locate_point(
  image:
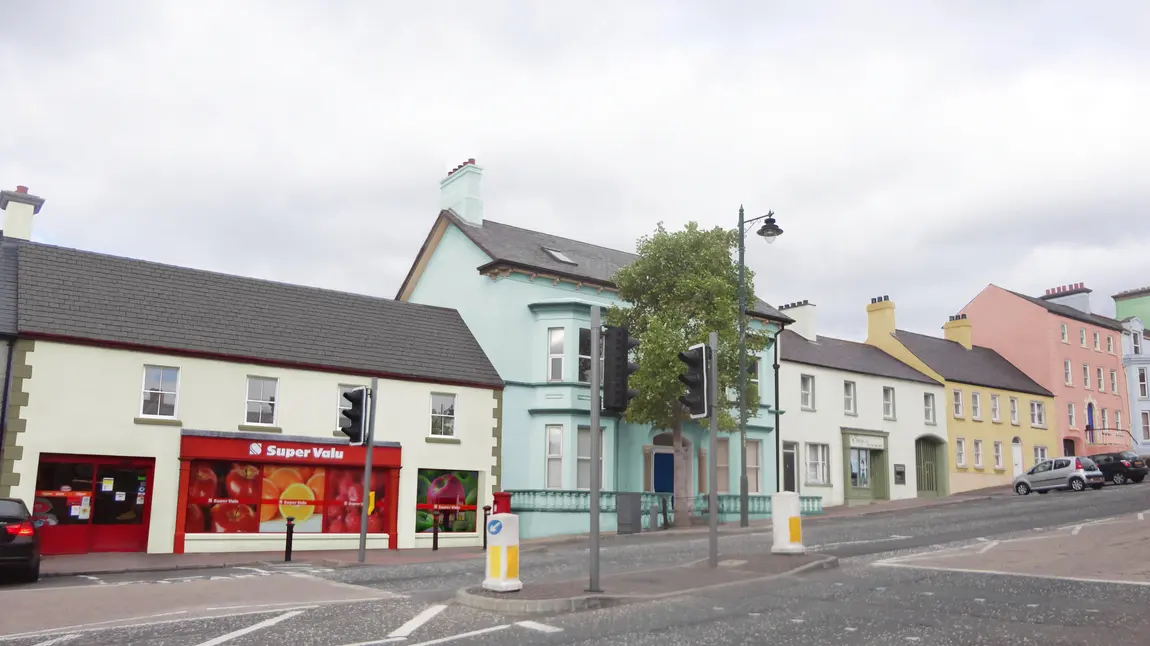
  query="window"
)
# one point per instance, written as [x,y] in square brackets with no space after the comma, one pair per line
[1146,426]
[753,470]
[554,456]
[559,255]
[723,465]
[1114,381]
[1082,337]
[1070,415]
[1143,388]
[1101,380]
[995,409]
[1039,453]
[849,405]
[443,414]
[1014,411]
[957,403]
[976,406]
[160,387]
[888,411]
[1110,344]
[1136,337]
[753,375]
[1097,343]
[1104,424]
[585,356]
[928,407]
[555,354]
[583,477]
[978,454]
[807,386]
[998,455]
[1065,334]
[860,468]
[1085,376]
[1067,371]
[1037,413]
[261,403]
[819,464]
[1118,419]
[960,452]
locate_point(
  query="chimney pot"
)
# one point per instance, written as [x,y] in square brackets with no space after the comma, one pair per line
[470,160]
[22,189]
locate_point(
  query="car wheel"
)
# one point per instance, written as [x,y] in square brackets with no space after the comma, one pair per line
[1022,489]
[1077,484]
[31,574]
[1118,478]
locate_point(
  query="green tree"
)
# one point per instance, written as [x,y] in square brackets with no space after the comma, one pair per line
[683,286]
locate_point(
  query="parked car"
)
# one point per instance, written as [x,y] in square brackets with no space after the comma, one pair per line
[19,540]
[1069,472]
[1121,467]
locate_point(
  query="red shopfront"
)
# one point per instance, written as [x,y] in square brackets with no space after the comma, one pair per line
[93,503]
[249,483]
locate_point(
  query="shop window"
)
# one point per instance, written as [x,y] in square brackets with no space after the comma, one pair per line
[860,468]
[261,402]
[64,492]
[234,497]
[454,494]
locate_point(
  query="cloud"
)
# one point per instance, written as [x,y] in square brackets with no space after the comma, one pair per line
[917,149]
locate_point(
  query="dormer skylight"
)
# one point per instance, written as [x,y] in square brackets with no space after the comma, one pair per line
[559,255]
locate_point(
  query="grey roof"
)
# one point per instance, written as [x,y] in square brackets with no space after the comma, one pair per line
[72,294]
[1071,313]
[848,356]
[7,290]
[979,366]
[507,244]
[1132,293]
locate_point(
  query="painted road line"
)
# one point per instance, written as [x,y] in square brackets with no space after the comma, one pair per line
[989,546]
[82,627]
[295,605]
[474,633]
[415,622]
[267,623]
[1077,528]
[114,624]
[1021,574]
[58,640]
[535,625]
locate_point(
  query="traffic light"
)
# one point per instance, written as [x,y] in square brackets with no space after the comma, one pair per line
[696,357]
[617,368]
[351,420]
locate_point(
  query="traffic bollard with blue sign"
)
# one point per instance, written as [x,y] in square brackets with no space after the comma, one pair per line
[503,553]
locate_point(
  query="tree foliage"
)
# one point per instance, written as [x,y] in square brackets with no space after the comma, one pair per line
[683,286]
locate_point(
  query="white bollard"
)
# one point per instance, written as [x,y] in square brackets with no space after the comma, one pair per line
[502,553]
[787,523]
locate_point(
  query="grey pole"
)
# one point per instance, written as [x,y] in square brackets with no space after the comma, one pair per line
[596,379]
[744,489]
[713,458]
[370,444]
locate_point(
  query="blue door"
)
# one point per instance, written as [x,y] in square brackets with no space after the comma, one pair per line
[664,473]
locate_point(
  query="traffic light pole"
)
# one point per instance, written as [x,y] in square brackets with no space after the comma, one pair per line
[713,458]
[369,442]
[596,379]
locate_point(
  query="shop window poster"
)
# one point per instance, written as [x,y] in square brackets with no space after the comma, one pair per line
[453,494]
[236,497]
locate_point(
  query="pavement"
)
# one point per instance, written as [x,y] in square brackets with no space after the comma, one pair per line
[901,580]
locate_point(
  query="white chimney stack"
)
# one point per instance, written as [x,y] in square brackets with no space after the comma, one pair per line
[19,206]
[806,318]
[459,191]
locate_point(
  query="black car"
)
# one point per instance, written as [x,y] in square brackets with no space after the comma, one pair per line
[1121,467]
[19,541]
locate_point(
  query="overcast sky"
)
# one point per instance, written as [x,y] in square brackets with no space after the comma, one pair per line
[917,149]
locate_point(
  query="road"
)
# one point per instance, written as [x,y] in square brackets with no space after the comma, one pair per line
[939,575]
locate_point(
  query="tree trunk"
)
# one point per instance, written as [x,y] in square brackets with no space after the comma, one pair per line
[683,498]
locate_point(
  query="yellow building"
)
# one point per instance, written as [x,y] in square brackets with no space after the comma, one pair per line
[999,421]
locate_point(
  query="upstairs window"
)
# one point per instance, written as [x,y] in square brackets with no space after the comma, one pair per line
[585,356]
[1065,334]
[807,388]
[160,391]
[261,402]
[559,255]
[1110,344]
[1014,411]
[888,411]
[995,409]
[1037,413]
[555,354]
[1082,337]
[850,406]
[928,407]
[1097,342]
[1067,372]
[1136,337]
[1085,376]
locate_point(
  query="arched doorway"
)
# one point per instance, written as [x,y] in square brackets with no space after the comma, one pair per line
[1016,455]
[1068,449]
[930,467]
[661,463]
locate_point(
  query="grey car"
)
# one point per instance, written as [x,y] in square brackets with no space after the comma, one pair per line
[1069,472]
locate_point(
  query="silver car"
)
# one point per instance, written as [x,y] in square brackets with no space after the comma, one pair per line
[1060,473]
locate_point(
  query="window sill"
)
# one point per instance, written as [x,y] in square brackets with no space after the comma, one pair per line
[158,421]
[890,419]
[1000,469]
[819,485]
[1015,424]
[995,421]
[1041,428]
[260,428]
[442,439]
[850,413]
[809,410]
[961,466]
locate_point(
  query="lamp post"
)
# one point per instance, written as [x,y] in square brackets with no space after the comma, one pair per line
[769,231]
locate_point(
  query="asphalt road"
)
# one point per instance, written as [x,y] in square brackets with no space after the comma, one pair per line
[859,603]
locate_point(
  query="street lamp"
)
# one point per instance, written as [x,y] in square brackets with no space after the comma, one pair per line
[769,231]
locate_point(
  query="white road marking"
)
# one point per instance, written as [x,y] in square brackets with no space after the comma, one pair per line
[415,622]
[982,539]
[1077,528]
[474,633]
[58,640]
[294,605]
[115,625]
[543,628]
[267,623]
[1001,573]
[981,600]
[797,621]
[1141,516]
[64,629]
[92,578]
[1032,605]
[989,546]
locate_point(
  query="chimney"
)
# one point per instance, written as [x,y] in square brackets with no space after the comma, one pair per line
[880,319]
[805,315]
[19,206]
[459,191]
[958,329]
[1074,295]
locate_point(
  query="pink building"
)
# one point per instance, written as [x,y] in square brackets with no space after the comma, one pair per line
[1072,352]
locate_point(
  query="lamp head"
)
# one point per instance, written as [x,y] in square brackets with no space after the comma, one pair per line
[769,231]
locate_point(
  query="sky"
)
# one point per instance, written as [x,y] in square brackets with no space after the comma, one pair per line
[915,149]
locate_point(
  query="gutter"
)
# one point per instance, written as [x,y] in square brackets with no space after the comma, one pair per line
[7,386]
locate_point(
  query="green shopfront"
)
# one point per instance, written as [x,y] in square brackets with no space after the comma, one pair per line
[865,466]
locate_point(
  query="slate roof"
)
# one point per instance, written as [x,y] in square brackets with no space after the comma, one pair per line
[511,245]
[849,356]
[1071,313]
[82,295]
[978,366]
